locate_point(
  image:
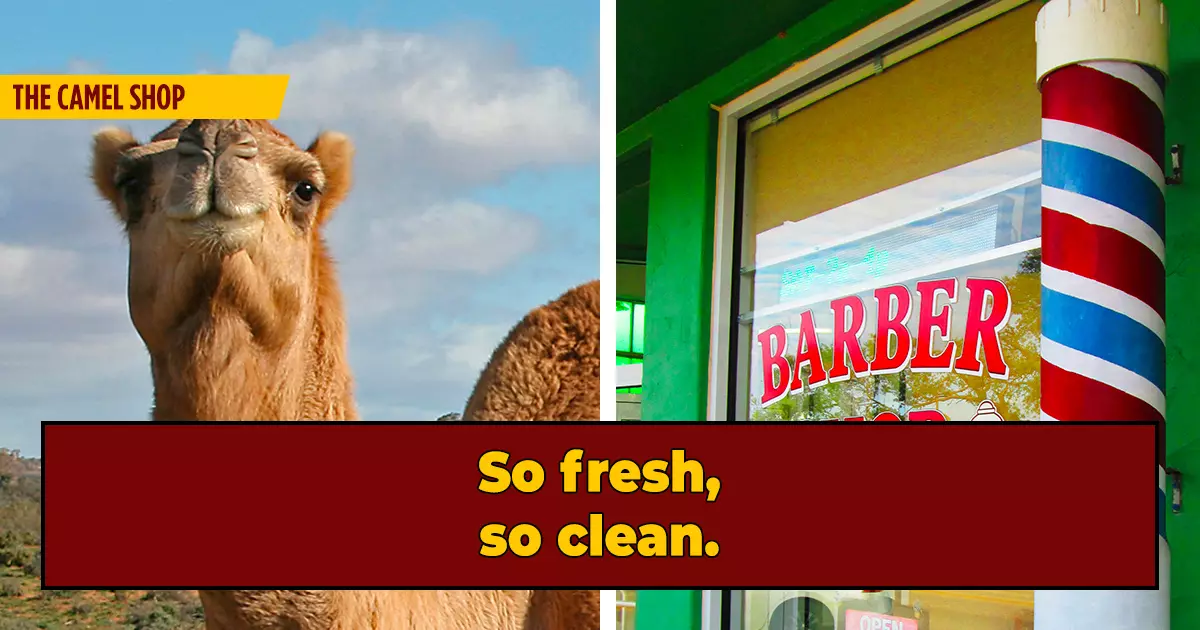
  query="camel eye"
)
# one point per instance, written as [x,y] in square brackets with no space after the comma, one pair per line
[305,191]
[129,184]
[131,187]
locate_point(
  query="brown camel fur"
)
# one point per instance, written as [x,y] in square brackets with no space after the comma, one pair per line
[548,367]
[235,296]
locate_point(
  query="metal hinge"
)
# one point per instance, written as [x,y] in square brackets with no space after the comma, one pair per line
[1175,479]
[1175,175]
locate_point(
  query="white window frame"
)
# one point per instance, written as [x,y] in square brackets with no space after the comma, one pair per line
[710,610]
[629,375]
[626,605]
[878,35]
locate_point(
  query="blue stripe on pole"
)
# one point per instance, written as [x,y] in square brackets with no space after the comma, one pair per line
[1108,335]
[1103,178]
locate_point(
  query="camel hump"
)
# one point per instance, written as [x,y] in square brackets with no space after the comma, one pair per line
[564,610]
[548,367]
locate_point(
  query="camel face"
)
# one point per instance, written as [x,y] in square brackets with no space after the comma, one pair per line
[230,285]
[217,192]
[219,202]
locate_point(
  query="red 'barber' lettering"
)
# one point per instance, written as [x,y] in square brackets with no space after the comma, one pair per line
[989,307]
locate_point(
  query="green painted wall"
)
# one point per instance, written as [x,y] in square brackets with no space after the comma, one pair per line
[667,610]
[679,236]
[679,266]
[823,28]
[1183,302]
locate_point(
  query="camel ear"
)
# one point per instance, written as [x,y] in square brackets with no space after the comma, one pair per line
[108,145]
[335,153]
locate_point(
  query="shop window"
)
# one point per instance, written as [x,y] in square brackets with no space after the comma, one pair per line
[631,327]
[893,610]
[887,267]
[890,242]
[631,338]
[807,613]
[956,251]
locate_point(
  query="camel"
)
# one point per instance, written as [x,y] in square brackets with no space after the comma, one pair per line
[233,291]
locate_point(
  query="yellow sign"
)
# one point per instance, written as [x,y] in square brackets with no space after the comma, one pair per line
[160,96]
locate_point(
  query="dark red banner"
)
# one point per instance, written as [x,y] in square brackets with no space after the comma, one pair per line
[759,505]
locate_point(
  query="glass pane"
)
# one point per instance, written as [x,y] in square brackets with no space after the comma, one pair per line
[948,265]
[624,323]
[890,610]
[904,209]
[639,328]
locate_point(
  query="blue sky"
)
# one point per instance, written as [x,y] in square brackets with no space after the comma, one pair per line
[476,197]
[181,37]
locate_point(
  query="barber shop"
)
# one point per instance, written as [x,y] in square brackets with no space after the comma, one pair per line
[914,211]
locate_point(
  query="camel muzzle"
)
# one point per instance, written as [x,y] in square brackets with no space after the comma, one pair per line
[216,172]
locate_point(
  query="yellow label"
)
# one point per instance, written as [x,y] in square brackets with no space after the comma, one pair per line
[145,97]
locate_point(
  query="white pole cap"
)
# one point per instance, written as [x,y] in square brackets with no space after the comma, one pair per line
[1075,31]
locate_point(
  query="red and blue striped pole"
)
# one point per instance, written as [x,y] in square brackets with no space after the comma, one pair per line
[1102,68]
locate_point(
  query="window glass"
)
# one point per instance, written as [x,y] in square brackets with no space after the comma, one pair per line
[624,325]
[948,272]
[886,610]
[639,328]
[890,242]
[631,317]
[889,270]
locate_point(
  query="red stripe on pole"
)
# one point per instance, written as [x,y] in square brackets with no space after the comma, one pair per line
[1103,254]
[1128,113]
[1065,393]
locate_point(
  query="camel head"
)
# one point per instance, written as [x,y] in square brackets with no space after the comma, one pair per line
[227,265]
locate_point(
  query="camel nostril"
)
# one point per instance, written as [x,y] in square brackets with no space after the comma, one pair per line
[245,147]
[189,148]
[244,151]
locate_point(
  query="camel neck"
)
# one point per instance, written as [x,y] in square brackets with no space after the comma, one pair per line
[218,369]
[243,348]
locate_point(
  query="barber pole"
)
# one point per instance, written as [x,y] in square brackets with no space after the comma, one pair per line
[1101,68]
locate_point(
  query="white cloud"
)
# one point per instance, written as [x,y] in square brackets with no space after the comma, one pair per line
[83,66]
[432,118]
[42,276]
[51,368]
[471,107]
[454,236]
[17,265]
[454,354]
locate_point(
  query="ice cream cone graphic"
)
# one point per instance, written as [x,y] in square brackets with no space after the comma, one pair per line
[987,413]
